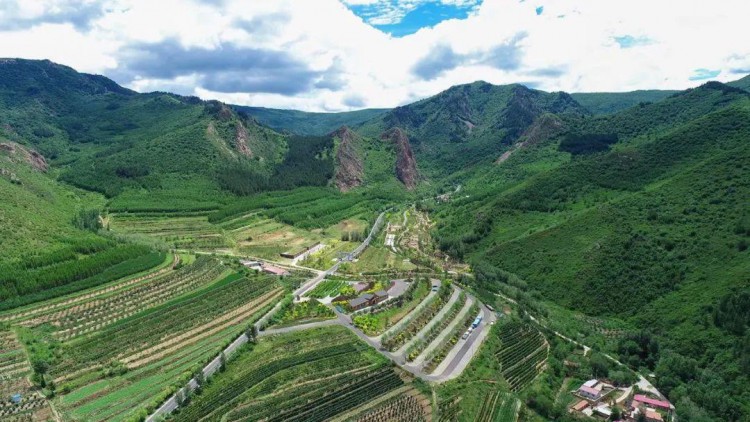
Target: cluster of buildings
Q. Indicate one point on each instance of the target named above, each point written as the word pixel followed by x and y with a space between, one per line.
pixel 597 400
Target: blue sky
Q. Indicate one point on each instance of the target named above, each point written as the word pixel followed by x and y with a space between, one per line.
pixel 398 19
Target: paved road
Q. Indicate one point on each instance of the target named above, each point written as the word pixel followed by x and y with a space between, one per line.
pixel 443 337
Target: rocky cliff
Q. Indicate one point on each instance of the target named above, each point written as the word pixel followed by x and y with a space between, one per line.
pixel 349 168
pixel 406 165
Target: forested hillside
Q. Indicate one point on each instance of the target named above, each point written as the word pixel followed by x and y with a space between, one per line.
pixel 651 229
pixel 612 102
pixel 309 123
pixel 468 125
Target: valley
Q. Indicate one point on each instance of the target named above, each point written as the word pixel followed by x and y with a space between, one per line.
pixel 491 253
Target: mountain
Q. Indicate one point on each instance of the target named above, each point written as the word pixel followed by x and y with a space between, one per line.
pixel 139 149
pixel 611 102
pixel 649 233
pixel 308 123
pixel 743 83
pixel 469 124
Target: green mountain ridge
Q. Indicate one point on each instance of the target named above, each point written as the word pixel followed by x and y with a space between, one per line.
pixel 628 208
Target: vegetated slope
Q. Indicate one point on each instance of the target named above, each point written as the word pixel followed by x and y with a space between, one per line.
pixel 48 247
pixel 612 102
pixel 469 124
pixel 109 139
pixel 654 231
pixel 743 83
pixel 307 123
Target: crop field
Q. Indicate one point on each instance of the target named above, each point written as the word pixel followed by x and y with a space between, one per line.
pixel 377 258
pixel 192 231
pixel 387 316
pixel 327 288
pixel 94 314
pixel 14 370
pixel 498 406
pixel 406 405
pixel 267 238
pixel 311 376
pixel 307 208
pixel 522 354
pixel 115 350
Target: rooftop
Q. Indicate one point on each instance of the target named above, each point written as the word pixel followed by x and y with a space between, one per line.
pixel 589 390
pixel 653 402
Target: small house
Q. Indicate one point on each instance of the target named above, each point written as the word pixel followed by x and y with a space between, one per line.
pixel 578 407
pixel 640 399
pixel 589 393
pixel 270 269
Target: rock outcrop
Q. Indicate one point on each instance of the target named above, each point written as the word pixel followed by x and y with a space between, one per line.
pixel 240 140
pixel 349 168
pixel 406 165
pixel 19 152
pixel 545 127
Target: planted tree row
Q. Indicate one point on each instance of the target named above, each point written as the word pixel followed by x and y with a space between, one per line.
pixel 418 347
pixel 402 336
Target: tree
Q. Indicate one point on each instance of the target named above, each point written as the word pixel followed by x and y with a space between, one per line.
pixel 616 414
pixel 222 362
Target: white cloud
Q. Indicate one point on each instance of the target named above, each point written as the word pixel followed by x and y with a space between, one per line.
pixel 571 46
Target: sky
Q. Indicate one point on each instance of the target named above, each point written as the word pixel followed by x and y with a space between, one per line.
pixel 337 55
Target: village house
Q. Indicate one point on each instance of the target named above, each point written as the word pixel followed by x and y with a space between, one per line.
pixel 270 269
pixel 368 299
pixel 589 393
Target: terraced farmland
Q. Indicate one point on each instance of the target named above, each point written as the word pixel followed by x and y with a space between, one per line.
pixel 498 406
pixel 401 336
pixel 306 376
pixel 192 231
pixel 522 354
pixel 407 406
pixel 96 314
pixel 420 345
pixel 118 349
pixel 14 370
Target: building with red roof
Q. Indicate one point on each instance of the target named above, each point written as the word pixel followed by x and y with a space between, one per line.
pixel 641 399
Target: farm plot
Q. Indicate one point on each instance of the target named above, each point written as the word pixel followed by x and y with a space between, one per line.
pixel 311 375
pixel 327 288
pixel 14 370
pixel 114 372
pixel 522 354
pixel 498 406
pixel 267 238
pixel 407 406
pixel 394 340
pixel 98 313
pixel 40 309
pixel 181 231
pixel 377 258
